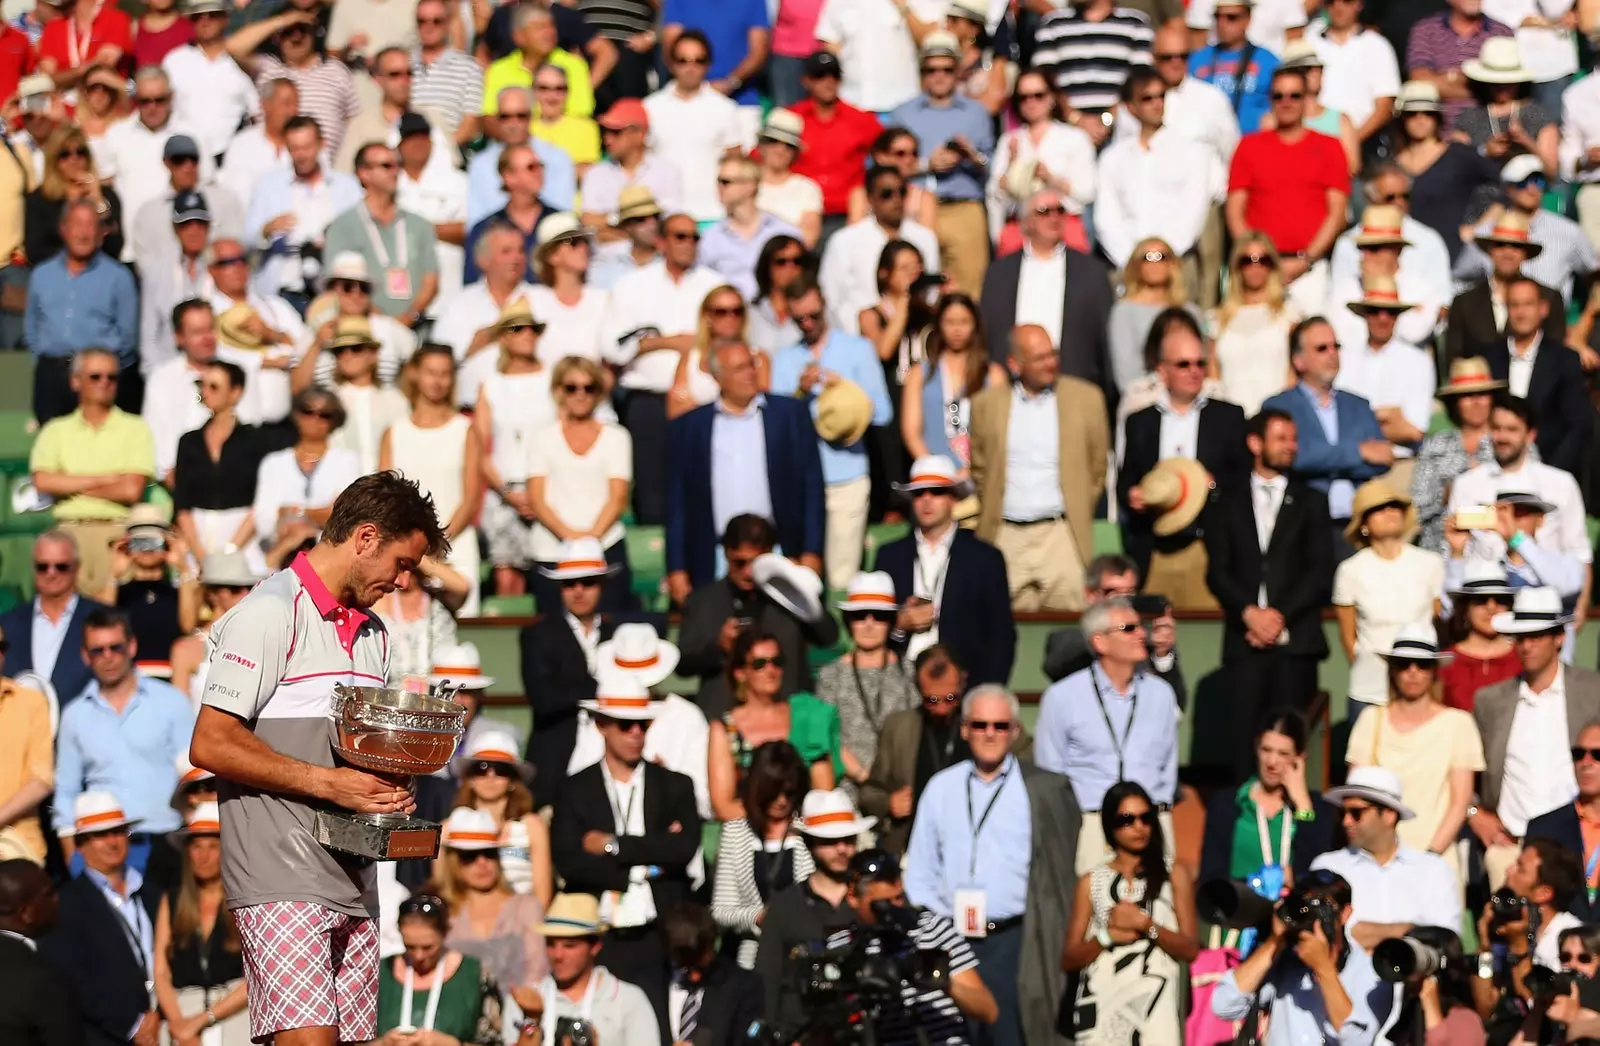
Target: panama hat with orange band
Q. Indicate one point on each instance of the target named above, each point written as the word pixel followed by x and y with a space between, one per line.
pixel 637 650
pixel 620 695
pixel 831 815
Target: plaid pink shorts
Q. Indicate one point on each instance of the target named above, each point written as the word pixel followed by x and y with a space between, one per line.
pixel 306 966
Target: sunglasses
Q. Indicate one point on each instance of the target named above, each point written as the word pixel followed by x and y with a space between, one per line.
pixel 102 651
pixel 383 165
pixel 80 152
pixel 1126 627
pixel 152 99
pixel 932 492
pixel 1184 364
pixel 698 59
pixel 722 312
pixel 349 286
pixel 1573 958
pixel 932 700
pixel 397 74
pixel 1255 259
pixel 52 568
pixel 1171 56
pixel 786 260
pixel 486 768
pixel 756 664
pixel 321 415
pixel 237 259
pixel 581 582
pixel 984 726
pixel 1287 96
pixel 627 726
pixel 507 114
pixel 182 161
pixel 553 88
pixel 1331 346
pixel 1156 256
pixel 890 194
pixel 99 378
pixel 426 903
pixel 572 388
pixel 1396 197
pixel 1159 96
pixel 902 154
pixel 474 856
pixel 884 616
pixel 684 237
pixel 1579 753
pixel 197 787
pixel 1033 96
pixel 801 319
pixel 1400 664
pixel 1532 181
pixel 518 328
pixel 938 70
pixel 1355 812
pixel 1048 210
pixel 430 21
pixel 1148 819
pixel 1485 601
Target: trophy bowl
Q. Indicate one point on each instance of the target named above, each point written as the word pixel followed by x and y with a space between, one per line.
pixel 393 731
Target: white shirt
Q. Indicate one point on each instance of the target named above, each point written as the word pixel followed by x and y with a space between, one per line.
pixel 1266 495
pixel 676 740
pixel 1042 290
pixel 1547 950
pixel 636 906
pixel 439 197
pixel 849 271
pixel 1387 594
pixel 137 171
pixel 212 95
pixel 692 134
pixel 1356 73
pixel 876 52
pixel 1519 370
pixel 460 319
pixel 1270 21
pixel 280 484
pixel 1414 326
pixel 1197 110
pixel 1064 151
pixel 49 635
pixel 791 199
pixel 589 640
pixel 1580 129
pixel 267 392
pixel 1414 887
pixel 1534 780
pixel 571 330
pixel 1165 189
pixel 1424 265
pixel 1180 433
pixel 1397 374
pixel 172 407
pixel 1547 54
pixel 249 156
pixel 1033 450
pixel 650 297
pixel 928 575
pixel 1563 530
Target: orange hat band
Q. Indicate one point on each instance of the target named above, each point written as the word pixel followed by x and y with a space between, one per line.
pixel 194 775
pixel 869 597
pixel 1501 232
pixel 623 702
pixel 943 481
pixel 596 565
pixel 471 837
pixel 838 818
pixel 494 755
pixel 1472 379
pixel 457 670
pixel 1383 296
pixel 638 663
pixel 108 817
pixel 202 827
pixel 1384 231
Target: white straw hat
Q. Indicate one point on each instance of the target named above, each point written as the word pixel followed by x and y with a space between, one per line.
pixel 620 695
pixel 97 811
pixel 869 590
pixel 1535 610
pixel 469 829
pixel 1376 784
pixel 831 815
pixel 636 649
pixel 579 558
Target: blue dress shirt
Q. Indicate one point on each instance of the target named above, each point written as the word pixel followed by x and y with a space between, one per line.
pixel 949 852
pixel 934 125
pixel 1298 1015
pixel 487 194
pixel 98 308
pixel 739 482
pixel 1074 737
pixel 132 755
pixel 851 357
pixel 733 257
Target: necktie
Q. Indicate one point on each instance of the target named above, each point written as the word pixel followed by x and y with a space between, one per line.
pixel 689 1020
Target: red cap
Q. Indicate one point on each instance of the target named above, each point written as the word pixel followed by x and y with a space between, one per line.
pixel 627 112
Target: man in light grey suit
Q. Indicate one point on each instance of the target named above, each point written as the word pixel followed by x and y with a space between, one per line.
pixel 1545 707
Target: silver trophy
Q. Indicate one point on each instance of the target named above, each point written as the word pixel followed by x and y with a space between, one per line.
pixel 397 732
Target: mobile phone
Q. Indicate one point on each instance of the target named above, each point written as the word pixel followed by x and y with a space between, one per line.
pixel 1475 517
pixel 1149 606
pixel 927 281
pixel 146 543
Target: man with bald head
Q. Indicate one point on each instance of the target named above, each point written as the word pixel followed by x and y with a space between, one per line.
pixel 1039 464
pixel 38 1005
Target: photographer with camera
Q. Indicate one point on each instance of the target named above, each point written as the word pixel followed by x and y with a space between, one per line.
pixel 1314 982
pixel 1440 1002
pixel 584 1004
pixel 1529 913
pixel 924 1014
pixel 1572 997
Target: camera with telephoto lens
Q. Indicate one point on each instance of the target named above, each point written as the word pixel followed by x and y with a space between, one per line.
pixel 1408 959
pixel 574 1031
pixel 1505 906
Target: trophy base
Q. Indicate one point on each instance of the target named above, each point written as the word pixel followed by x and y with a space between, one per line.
pixel 378 837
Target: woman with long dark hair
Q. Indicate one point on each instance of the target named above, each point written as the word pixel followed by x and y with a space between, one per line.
pixel 936 398
pixel 1133 926
pixel 199 970
pixel 760 853
pixel 1483 657
pixel 1445 173
pixel 783 260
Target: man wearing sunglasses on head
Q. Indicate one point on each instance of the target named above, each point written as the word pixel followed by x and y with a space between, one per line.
pixel 1572 825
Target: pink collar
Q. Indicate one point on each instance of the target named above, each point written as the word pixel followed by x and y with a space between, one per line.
pixel 348 620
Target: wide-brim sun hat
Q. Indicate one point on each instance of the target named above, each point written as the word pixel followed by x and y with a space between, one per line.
pixel 1376 784
pixel 1371 496
pixel 1499 61
pixel 469 829
pixel 202 820
pixel 935 472
pixel 1380 294
pixel 1469 375
pixel 637 649
pixel 460 665
pixel 869 590
pixel 1418 641
pixel 1482 577
pixel 1175 492
pixel 580 558
pixel 1523 499
pixel 97 811
pixel 1511 229
pixel 796 588
pixel 1382 225
pixel 829 814
pixel 1536 609
pixel 572 915
pixel 844 413
pixel 620 695
pixel 493 746
pixel 784 127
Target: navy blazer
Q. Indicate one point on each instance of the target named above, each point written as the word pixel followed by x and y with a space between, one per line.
pixel 1561 825
pixel 71 675
pixel 90 944
pixel 975 619
pixel 1319 463
pixel 1558 392
pixel 794 482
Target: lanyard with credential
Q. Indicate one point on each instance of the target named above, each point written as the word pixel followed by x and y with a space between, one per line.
pixel 430 1009
pixel 977 829
pixel 622 816
pixel 1283 840
pixel 1133 710
pixel 378 249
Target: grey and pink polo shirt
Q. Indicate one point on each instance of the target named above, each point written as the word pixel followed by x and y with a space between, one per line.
pixel 274 662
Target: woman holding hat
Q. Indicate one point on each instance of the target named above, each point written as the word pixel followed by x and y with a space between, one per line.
pixel 102 101
pixel 722 322
pixel 1251 327
pixel 1434 749
pixel 514 403
pixel 574 311
pixel 432 989
pixel 783 194
pixel 1042 152
pixel 198 968
pixel 760 853
pixel 1482 656
pixel 1444 172
pixel 1506 121
pixel 869 684
pixel 488 919
pixel 1386 585
pixel 762 713
pixel 1468 398
pixel 493 781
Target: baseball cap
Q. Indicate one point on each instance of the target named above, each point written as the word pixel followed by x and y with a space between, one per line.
pixel 823 63
pixel 180 147
pixel 627 112
pixel 414 123
pixel 1521 168
pixel 190 207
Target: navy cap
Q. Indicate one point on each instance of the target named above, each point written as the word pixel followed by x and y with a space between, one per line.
pixel 190 207
pixel 180 147
pixel 823 63
pixel 414 123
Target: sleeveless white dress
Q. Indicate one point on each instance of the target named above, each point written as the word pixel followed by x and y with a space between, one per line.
pixel 435 458
pixel 1129 993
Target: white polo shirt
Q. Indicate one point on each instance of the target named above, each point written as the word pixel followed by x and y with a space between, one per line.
pixel 692 134
pixel 439 197
pixel 213 95
pixel 876 52
pixel 1413 887
pixel 647 299
pixel 1357 72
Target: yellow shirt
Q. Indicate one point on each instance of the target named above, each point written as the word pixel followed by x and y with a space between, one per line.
pixel 27 750
pixel 510 72
pixel 578 136
pixel 16 179
pixel 70 445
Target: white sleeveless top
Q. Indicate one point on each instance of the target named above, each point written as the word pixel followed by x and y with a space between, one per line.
pixel 520 404
pixel 435 458
pixel 514 860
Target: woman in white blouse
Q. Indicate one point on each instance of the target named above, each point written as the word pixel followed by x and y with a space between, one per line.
pixel 295 488
pixel 579 472
pixel 370 408
pixel 722 322
pixel 793 197
pixel 1250 329
pixel 573 310
pixel 1060 157
pixel 513 403
pixel 437 447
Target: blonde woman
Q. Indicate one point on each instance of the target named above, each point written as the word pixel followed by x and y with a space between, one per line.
pixel 1434 749
pixel 723 316
pixel 436 446
pixel 69 174
pixel 1152 280
pixel 563 300
pixel 494 781
pixel 513 403
pixel 580 469
pixel 1250 329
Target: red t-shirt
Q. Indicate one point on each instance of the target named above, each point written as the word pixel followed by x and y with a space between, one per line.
pixel 149 48
pixel 1462 678
pixel 1287 184
pixel 835 151
pixel 16 59
pixel 110 26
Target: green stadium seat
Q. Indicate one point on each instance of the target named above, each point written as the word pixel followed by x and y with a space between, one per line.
pixel 507 606
pixel 16 434
pixel 1107 537
pixel 647 558
pixel 879 535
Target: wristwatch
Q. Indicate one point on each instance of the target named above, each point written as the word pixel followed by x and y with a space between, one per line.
pixel 611 848
pixel 211 1018
pixel 1154 931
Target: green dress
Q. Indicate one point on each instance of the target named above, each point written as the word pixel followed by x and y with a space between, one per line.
pixel 813 730
pixel 469 1004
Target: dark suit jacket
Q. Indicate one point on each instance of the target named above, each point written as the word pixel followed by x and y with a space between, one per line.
pixel 732 1003
pixel 37 1005
pixel 975 619
pixel 70 675
pixel 708 606
pixel 1086 310
pixel 1472 330
pixel 1561 825
pixel 1319 462
pixel 1559 395
pixel 672 834
pixel 1495 706
pixel 1297 567
pixel 1220 448
pixel 555 676
pixel 107 974
pixel 794 482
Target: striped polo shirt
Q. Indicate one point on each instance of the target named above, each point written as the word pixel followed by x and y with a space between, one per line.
pixel 274 661
pixel 327 93
pixel 923 1016
pixel 1090 60
pixel 619 20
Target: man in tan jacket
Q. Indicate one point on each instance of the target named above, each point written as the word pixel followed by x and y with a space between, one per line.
pixel 1039 451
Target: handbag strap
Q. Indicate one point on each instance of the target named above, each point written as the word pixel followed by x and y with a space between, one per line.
pixel 1248 53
